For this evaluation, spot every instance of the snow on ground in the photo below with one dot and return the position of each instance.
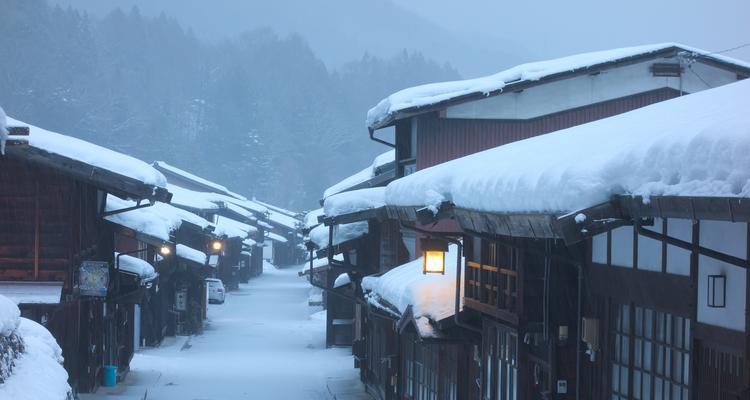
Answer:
(433, 93)
(696, 145)
(38, 373)
(264, 343)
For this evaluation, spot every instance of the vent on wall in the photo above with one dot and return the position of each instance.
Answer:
(666, 69)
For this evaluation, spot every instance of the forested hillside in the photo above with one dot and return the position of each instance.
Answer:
(238, 112)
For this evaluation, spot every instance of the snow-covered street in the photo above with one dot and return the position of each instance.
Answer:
(262, 343)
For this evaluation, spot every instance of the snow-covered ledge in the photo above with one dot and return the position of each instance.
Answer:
(431, 297)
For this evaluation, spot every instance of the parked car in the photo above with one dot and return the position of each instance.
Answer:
(216, 290)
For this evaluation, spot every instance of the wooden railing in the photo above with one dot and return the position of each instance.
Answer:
(491, 289)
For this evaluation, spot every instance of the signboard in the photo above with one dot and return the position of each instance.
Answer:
(93, 278)
(213, 260)
(181, 299)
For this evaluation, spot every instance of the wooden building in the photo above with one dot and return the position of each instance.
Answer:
(584, 290)
(436, 124)
(528, 327)
(143, 233)
(56, 248)
(210, 200)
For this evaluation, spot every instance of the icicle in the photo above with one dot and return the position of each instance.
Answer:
(3, 131)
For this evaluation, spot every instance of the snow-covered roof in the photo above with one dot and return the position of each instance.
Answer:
(362, 176)
(249, 242)
(158, 220)
(431, 296)
(342, 280)
(276, 208)
(92, 154)
(136, 266)
(283, 220)
(695, 145)
(341, 233)
(38, 373)
(22, 292)
(143, 220)
(234, 228)
(431, 94)
(197, 179)
(264, 225)
(277, 238)
(354, 201)
(190, 254)
(191, 199)
(311, 218)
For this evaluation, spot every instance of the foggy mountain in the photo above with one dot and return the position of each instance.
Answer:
(338, 31)
(249, 112)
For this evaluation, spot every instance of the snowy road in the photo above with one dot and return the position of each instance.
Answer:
(261, 344)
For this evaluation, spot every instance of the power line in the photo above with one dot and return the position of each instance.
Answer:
(730, 49)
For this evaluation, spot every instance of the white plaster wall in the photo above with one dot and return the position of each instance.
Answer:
(649, 250)
(729, 238)
(583, 90)
(599, 248)
(733, 315)
(678, 259)
(622, 247)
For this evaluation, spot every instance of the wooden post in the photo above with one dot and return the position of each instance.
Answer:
(36, 232)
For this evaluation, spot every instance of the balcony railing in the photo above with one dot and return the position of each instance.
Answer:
(492, 290)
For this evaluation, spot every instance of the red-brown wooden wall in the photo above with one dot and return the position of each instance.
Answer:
(444, 139)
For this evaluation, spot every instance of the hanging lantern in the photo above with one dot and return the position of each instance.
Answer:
(433, 255)
(217, 245)
(165, 250)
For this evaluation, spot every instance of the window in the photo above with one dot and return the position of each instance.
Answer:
(650, 354)
(500, 365)
(492, 278)
(617, 247)
(406, 146)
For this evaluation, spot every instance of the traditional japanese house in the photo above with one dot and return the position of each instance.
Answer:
(212, 199)
(145, 233)
(56, 251)
(284, 239)
(345, 250)
(608, 260)
(369, 245)
(237, 219)
(438, 122)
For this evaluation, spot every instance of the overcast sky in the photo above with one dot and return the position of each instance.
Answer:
(557, 28)
(477, 36)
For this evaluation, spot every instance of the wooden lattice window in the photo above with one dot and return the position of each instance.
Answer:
(492, 279)
(650, 354)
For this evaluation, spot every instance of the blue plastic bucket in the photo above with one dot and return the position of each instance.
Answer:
(110, 375)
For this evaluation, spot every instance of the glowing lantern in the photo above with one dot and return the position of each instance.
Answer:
(434, 256)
